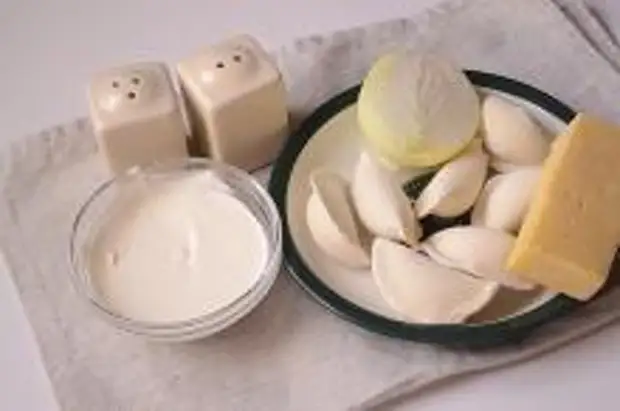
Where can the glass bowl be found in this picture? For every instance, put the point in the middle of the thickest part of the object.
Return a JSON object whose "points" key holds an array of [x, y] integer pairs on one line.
{"points": [[93, 216]]}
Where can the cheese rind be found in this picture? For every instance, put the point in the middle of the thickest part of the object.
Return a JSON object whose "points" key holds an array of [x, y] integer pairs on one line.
{"points": [[571, 231]]}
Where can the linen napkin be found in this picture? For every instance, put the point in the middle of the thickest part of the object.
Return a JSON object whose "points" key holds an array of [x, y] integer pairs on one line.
{"points": [[290, 353]]}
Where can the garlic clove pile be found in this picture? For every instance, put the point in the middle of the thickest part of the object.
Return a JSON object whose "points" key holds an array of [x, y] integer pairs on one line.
{"points": [[331, 219], [505, 200], [424, 291], [510, 135], [480, 251], [381, 203], [455, 187]]}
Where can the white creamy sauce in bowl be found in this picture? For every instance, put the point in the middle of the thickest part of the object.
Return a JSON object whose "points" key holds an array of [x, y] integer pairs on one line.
{"points": [[177, 249]]}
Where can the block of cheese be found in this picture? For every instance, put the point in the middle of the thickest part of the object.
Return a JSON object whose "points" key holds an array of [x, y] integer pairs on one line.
{"points": [[236, 102], [570, 234]]}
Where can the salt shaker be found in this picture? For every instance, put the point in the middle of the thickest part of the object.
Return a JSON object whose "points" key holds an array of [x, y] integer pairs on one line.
{"points": [[136, 116], [236, 102]]}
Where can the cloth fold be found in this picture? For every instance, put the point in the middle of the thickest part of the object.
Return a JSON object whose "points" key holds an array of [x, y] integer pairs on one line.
{"points": [[595, 21], [289, 353]]}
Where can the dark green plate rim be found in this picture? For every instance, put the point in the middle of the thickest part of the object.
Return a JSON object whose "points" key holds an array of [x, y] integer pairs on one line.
{"points": [[465, 335]]}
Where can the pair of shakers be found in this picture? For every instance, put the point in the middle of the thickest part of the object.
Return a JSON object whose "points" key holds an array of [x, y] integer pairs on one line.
{"points": [[232, 94]]}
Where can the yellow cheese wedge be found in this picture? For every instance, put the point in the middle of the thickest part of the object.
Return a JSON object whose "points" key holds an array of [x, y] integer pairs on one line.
{"points": [[571, 231]]}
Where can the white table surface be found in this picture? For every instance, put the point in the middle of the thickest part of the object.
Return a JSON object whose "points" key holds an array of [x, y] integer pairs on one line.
{"points": [[50, 48]]}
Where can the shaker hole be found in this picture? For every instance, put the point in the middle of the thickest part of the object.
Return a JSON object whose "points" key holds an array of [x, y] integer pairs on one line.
{"points": [[219, 65], [135, 80], [237, 58], [131, 95], [115, 84]]}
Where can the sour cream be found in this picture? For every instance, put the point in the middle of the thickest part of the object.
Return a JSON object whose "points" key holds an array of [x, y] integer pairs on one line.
{"points": [[176, 249]]}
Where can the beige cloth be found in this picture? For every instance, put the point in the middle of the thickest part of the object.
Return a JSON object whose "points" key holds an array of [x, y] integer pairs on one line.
{"points": [[290, 353]]}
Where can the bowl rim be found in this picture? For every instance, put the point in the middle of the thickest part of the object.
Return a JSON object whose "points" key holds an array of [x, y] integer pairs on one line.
{"points": [[272, 229], [484, 334]]}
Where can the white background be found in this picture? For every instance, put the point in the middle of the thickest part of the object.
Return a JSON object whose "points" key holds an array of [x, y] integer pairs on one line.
{"points": [[49, 49]]}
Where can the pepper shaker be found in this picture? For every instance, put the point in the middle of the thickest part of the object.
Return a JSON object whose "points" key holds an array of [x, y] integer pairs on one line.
{"points": [[236, 102]]}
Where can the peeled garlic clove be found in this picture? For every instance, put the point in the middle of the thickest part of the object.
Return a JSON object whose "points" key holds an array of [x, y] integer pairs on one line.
{"points": [[504, 167], [455, 187], [480, 251], [505, 199], [424, 291], [382, 204], [331, 220], [436, 256], [511, 135]]}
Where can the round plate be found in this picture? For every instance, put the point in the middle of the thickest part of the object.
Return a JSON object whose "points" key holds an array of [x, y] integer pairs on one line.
{"points": [[330, 138]]}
